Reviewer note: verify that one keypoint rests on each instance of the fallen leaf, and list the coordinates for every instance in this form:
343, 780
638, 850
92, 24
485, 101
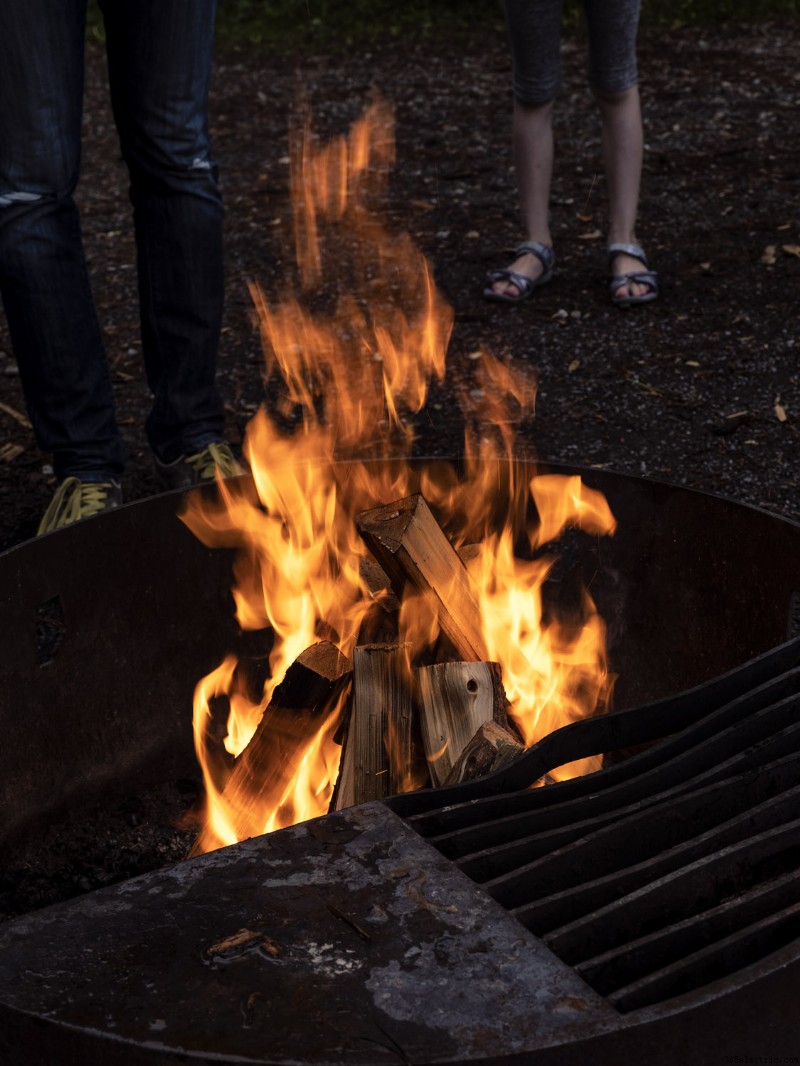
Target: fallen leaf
792, 249
241, 939
768, 255
583, 218
241, 942
16, 415
9, 452
692, 362
780, 412
592, 235
573, 366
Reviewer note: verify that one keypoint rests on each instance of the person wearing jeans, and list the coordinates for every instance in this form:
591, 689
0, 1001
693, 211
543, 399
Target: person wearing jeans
159, 61
534, 30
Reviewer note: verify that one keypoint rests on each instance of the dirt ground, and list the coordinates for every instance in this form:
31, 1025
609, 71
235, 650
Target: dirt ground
700, 388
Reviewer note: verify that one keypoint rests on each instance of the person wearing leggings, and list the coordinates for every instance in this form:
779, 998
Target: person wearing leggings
534, 29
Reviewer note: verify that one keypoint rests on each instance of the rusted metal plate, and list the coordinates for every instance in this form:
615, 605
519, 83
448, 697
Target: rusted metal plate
361, 944
344, 940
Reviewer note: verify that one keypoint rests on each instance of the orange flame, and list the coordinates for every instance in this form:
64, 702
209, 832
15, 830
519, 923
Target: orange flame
356, 375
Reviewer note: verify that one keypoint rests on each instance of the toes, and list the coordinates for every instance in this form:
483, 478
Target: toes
505, 288
632, 289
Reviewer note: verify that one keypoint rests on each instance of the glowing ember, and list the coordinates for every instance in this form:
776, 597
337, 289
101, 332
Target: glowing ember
356, 375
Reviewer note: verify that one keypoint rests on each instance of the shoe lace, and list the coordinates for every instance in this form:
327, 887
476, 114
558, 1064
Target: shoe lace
74, 499
215, 457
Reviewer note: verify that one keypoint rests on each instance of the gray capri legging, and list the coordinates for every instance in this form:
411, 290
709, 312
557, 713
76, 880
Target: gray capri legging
534, 30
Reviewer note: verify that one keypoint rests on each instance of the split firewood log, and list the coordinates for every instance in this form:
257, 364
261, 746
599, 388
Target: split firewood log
378, 746
380, 623
411, 548
492, 748
299, 707
456, 700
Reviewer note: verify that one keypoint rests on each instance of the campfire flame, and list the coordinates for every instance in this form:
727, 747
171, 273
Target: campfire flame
352, 376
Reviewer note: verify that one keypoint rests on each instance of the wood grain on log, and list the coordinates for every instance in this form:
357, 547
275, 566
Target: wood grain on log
410, 547
378, 747
457, 699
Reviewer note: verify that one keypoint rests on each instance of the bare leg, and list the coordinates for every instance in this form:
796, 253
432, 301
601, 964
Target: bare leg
532, 142
622, 155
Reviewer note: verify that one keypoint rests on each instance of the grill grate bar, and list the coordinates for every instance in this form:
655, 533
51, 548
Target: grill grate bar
444, 823
570, 899
713, 962
492, 862
707, 759
664, 871
592, 841
437, 811
677, 895
638, 835
628, 963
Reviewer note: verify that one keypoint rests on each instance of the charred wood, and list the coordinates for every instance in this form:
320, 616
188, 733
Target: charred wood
296, 712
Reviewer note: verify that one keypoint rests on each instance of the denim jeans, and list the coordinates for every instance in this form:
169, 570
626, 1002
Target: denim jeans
159, 61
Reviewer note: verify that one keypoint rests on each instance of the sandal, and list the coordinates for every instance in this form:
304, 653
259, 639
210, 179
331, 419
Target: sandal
640, 277
525, 285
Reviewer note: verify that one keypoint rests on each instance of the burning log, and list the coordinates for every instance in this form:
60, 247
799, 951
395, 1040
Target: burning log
377, 749
380, 623
410, 546
492, 748
457, 699
297, 710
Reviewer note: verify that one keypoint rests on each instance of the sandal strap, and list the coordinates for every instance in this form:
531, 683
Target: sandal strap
640, 277
543, 252
635, 251
522, 281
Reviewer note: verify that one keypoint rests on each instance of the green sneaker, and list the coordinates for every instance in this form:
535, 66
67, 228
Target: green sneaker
204, 465
75, 500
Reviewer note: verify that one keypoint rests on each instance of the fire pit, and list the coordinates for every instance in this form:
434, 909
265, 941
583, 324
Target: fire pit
646, 910
490, 922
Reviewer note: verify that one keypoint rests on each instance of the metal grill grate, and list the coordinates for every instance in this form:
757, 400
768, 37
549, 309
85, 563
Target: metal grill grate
664, 872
